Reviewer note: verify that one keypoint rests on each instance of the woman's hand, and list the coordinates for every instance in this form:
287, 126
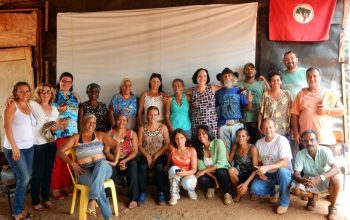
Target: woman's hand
16, 153
77, 169
122, 165
200, 173
242, 189
149, 161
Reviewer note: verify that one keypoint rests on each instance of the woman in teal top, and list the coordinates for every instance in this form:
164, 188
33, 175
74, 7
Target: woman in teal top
212, 163
177, 113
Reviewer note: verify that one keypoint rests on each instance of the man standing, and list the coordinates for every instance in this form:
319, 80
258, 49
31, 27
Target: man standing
293, 78
256, 88
320, 173
313, 108
275, 155
230, 101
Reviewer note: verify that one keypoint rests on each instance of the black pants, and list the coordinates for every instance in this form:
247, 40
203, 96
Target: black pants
44, 157
254, 134
159, 174
132, 178
221, 175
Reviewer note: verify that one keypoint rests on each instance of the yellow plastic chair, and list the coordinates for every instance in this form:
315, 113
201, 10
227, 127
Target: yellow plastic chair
84, 191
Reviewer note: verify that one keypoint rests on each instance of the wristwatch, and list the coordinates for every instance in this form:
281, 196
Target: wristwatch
322, 177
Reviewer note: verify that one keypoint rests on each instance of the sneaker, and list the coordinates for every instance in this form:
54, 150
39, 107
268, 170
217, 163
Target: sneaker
161, 198
311, 204
281, 210
192, 195
142, 198
173, 199
227, 199
332, 213
210, 193
273, 199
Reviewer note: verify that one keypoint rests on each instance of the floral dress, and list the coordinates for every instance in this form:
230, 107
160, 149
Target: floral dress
100, 113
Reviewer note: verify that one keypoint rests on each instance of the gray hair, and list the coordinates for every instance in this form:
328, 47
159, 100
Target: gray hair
88, 116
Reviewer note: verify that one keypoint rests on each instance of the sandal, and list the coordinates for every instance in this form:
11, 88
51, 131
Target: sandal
58, 197
48, 204
38, 207
132, 204
23, 216
91, 212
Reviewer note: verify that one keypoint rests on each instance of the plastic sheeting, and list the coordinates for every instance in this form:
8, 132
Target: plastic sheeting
104, 47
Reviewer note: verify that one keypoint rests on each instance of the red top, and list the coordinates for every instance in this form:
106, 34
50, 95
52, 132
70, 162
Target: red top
182, 163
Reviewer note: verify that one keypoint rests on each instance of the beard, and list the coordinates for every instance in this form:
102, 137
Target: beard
229, 83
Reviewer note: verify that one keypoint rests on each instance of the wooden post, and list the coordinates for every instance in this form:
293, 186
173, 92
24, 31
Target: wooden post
46, 16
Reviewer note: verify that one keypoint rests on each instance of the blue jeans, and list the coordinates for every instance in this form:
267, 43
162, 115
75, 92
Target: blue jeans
228, 134
94, 177
282, 177
22, 169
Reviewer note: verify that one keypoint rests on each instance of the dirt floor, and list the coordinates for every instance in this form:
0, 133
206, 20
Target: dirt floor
200, 209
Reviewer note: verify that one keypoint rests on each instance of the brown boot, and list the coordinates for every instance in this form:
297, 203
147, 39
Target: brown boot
311, 204
332, 213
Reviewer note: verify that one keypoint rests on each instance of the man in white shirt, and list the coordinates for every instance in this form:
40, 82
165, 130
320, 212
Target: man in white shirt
275, 156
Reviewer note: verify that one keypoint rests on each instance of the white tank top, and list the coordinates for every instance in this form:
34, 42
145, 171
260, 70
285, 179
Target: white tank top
22, 130
154, 101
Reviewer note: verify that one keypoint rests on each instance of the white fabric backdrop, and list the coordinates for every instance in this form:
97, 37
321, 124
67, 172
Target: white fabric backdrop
104, 47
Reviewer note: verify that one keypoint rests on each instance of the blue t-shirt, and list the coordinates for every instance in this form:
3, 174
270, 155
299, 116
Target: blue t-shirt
230, 102
68, 109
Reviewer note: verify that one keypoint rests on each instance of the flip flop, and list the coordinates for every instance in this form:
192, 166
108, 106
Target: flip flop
48, 204
91, 212
58, 197
38, 208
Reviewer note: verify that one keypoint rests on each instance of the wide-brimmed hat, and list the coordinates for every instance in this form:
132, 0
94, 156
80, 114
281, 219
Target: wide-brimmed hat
226, 71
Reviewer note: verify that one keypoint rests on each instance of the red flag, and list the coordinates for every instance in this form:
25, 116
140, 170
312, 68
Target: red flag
300, 20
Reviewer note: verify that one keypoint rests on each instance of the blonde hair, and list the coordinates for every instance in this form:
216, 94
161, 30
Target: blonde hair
122, 84
39, 88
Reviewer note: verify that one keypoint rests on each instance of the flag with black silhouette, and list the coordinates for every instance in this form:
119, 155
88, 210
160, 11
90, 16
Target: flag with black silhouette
300, 20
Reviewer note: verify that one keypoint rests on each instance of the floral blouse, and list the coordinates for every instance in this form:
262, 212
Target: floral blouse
277, 110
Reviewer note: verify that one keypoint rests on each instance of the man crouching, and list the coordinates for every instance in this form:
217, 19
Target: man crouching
320, 173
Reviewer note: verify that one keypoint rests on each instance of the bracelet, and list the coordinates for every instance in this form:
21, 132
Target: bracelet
329, 111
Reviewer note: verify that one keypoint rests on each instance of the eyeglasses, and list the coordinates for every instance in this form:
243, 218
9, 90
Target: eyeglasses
45, 92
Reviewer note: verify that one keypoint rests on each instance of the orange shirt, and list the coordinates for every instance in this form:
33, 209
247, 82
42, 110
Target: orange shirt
305, 106
182, 163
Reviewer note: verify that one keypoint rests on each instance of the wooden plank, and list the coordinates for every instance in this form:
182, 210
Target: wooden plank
46, 16
18, 29
345, 13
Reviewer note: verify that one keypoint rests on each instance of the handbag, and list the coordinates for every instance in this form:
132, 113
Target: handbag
46, 131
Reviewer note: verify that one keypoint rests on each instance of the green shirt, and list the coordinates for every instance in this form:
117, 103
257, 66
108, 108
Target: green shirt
323, 160
294, 82
217, 150
257, 89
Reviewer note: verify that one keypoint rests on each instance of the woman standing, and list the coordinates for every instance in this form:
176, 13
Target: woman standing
93, 106
125, 101
128, 151
245, 158
67, 103
177, 108
44, 151
276, 105
183, 158
91, 165
203, 102
18, 146
153, 143
212, 160
154, 97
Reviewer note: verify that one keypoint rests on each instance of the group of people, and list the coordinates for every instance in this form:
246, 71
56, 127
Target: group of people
239, 136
